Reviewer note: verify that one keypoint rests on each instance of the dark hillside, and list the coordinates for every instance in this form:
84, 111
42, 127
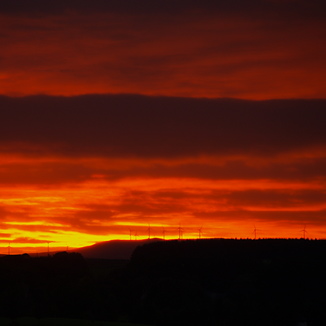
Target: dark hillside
231, 282
193, 282
114, 249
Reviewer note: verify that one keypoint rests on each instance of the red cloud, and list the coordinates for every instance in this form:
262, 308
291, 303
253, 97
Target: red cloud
235, 50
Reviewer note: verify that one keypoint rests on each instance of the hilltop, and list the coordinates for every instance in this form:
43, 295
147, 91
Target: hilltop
114, 249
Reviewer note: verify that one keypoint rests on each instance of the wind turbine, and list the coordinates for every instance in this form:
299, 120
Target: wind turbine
255, 232
163, 233
200, 231
304, 232
149, 231
180, 230
9, 249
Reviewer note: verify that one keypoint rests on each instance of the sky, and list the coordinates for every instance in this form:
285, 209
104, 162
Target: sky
120, 118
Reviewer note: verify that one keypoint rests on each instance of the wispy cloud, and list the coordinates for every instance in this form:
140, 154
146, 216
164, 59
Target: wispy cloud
252, 49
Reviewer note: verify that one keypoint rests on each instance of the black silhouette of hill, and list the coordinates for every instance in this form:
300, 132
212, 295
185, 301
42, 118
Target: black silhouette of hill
114, 249
209, 282
268, 282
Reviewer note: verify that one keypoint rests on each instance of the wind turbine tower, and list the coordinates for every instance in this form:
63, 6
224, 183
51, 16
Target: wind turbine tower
180, 230
200, 231
304, 232
149, 231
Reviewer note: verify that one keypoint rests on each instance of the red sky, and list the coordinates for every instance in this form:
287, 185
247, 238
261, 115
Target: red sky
77, 168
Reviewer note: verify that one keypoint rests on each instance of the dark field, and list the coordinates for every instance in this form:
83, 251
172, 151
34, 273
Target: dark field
193, 282
32, 321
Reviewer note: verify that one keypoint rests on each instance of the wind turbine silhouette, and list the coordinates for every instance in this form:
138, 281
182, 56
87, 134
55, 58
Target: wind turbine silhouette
9, 248
200, 231
163, 232
304, 232
255, 232
149, 231
180, 230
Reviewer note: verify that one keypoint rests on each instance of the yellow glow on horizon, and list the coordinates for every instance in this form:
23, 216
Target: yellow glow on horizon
97, 209
228, 230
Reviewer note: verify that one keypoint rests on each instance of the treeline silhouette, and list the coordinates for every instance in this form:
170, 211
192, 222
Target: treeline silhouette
190, 282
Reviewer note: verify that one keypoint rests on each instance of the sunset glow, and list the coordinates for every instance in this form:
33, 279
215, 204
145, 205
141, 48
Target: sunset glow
116, 119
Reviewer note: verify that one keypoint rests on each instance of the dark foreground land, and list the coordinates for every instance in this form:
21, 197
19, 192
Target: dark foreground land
192, 282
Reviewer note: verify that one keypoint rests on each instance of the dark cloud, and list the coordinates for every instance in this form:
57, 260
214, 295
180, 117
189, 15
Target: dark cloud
277, 199
184, 201
245, 169
290, 218
160, 6
244, 49
44, 174
137, 126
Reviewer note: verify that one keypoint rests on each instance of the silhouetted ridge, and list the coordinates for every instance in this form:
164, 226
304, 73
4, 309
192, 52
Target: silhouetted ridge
190, 282
237, 282
114, 249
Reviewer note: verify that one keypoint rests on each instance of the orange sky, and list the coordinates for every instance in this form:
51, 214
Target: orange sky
78, 168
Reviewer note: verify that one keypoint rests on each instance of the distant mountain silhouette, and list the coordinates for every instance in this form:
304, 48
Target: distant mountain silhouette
114, 249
